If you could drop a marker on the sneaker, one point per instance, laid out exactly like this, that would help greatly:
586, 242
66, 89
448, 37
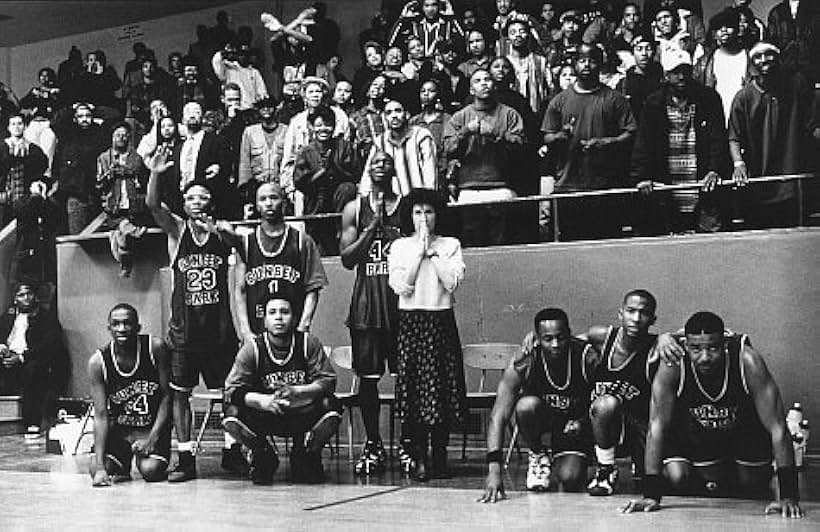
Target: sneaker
234, 461
604, 481
538, 472
32, 432
322, 431
406, 460
185, 469
264, 464
372, 459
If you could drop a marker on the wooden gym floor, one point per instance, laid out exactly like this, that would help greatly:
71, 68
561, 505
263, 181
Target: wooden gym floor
53, 492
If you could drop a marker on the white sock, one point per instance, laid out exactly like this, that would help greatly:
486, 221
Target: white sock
229, 440
605, 456
185, 446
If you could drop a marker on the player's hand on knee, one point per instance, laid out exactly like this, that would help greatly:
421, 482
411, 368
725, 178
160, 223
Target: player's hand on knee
640, 505
669, 350
573, 427
100, 478
787, 508
494, 490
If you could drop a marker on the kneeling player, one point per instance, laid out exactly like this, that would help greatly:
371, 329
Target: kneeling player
719, 417
132, 402
547, 386
282, 384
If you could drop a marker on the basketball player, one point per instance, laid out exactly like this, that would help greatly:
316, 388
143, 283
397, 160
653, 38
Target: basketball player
132, 402
200, 332
719, 419
276, 259
370, 224
549, 391
282, 383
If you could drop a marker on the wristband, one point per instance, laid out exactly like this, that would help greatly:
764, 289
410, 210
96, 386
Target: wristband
787, 483
738, 164
494, 457
653, 487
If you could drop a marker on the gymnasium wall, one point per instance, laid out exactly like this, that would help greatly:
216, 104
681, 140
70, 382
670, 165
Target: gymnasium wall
766, 284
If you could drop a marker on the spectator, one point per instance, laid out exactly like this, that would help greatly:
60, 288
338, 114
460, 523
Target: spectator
424, 270
325, 34
367, 122
681, 139
326, 173
21, 163
412, 148
501, 70
631, 26
644, 77
331, 71
175, 68
45, 98
398, 87
433, 118
474, 18
484, 140
194, 87
377, 32
416, 62
595, 23
142, 88
343, 97
289, 45
373, 66
260, 154
562, 51
547, 26
455, 87
164, 138
200, 50
221, 34
533, 78
793, 29
770, 132
98, 83
566, 78
508, 10
141, 53
232, 65
478, 55
726, 68
591, 125
292, 103
75, 165
157, 110
121, 183
8, 103
39, 132
35, 251
687, 19
751, 28
232, 131
671, 37
431, 25
33, 358
68, 74
244, 39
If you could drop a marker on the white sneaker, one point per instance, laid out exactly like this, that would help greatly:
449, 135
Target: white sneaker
538, 472
32, 432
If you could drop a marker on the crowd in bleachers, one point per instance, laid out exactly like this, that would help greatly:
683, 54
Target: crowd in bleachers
481, 101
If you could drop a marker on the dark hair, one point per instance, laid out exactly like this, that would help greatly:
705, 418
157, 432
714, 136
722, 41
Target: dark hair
190, 60
325, 113
704, 322
373, 44
30, 284
728, 17
284, 296
590, 50
550, 314
510, 72
16, 114
121, 124
198, 183
643, 294
447, 45
419, 196
161, 140
631, 4
270, 101
124, 306
49, 71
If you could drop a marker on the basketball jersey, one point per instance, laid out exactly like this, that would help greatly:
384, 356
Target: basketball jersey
287, 368
568, 399
133, 397
273, 272
373, 304
631, 382
731, 408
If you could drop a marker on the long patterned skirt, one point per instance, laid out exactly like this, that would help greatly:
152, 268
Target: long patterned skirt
430, 386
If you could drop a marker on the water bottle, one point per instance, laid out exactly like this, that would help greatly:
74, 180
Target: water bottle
793, 418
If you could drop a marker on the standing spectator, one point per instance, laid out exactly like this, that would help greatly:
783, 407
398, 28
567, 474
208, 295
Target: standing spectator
366, 122
681, 139
644, 77
343, 97
46, 97
501, 70
434, 119
592, 125
121, 182
21, 163
260, 153
484, 139
232, 65
630, 27
289, 47
194, 87
594, 19
478, 55
431, 25
33, 357
416, 62
671, 36
726, 68
373, 66
793, 30
424, 270
75, 165
39, 132
68, 74
411, 147
770, 132
141, 53
292, 103
325, 34
508, 10
377, 32
35, 251
221, 34
455, 87
752, 29
157, 110
142, 88
547, 27
165, 138
98, 83
562, 51
175, 68
326, 173
331, 71
398, 87
533, 78
231, 132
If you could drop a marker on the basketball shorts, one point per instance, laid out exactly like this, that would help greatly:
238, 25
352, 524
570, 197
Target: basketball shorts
373, 349
632, 442
258, 424
563, 444
748, 446
212, 364
118, 446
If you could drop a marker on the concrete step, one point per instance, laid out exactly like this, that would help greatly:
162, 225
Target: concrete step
10, 406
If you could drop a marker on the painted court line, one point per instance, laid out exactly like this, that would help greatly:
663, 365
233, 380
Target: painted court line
353, 499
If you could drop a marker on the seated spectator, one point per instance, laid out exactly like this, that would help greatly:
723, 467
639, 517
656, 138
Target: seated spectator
35, 251
194, 87
430, 24
751, 29
331, 71
433, 118
232, 65
478, 55
121, 182
175, 68
508, 10
144, 87
366, 122
474, 18
416, 61
533, 78
631, 26
411, 147
644, 76
39, 132
46, 97
98, 84
455, 87
562, 51
681, 139
325, 35
33, 358
483, 139
292, 103
326, 172
21, 163
343, 97
372, 67
671, 36
260, 153
287, 391
398, 87
547, 26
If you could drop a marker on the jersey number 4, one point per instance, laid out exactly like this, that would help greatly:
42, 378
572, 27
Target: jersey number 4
140, 405
378, 251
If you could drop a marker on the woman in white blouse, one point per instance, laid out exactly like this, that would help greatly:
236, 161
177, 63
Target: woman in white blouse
424, 271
